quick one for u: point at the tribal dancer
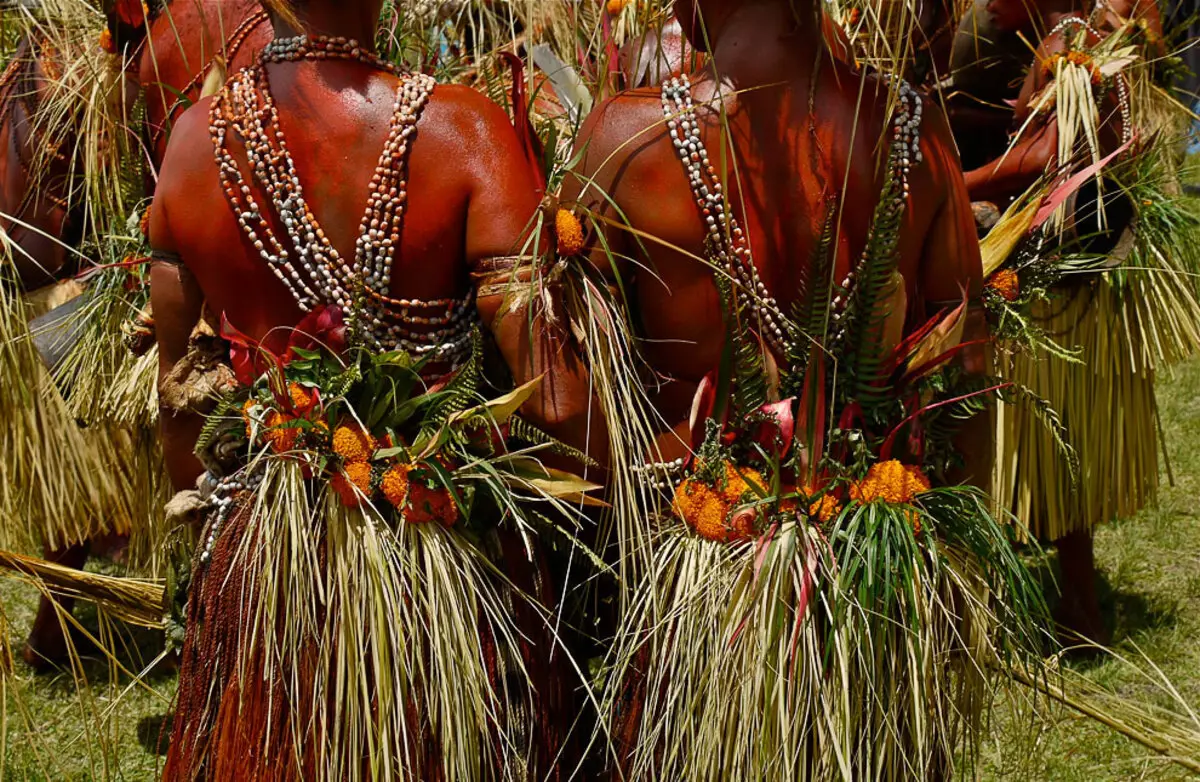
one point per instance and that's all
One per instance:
(368, 601)
(1089, 101)
(794, 622)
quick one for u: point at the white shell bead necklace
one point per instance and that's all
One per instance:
(312, 270)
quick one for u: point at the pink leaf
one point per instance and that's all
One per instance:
(781, 426)
(1055, 199)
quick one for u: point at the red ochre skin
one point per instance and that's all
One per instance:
(472, 196)
(35, 221)
(183, 41)
(792, 165)
(175, 59)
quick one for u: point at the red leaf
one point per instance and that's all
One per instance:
(782, 426)
(324, 327)
(247, 356)
(703, 404)
(129, 12)
(890, 442)
(1055, 199)
(937, 361)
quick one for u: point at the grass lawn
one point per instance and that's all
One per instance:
(1151, 590)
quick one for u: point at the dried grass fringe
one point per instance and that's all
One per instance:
(324, 645)
(1107, 405)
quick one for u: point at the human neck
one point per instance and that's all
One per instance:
(352, 22)
(758, 39)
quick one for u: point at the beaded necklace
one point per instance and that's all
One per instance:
(725, 241)
(312, 270)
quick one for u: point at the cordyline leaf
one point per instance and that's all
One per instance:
(929, 366)
(501, 408)
(703, 404)
(1055, 199)
(781, 426)
(1013, 226)
(942, 338)
(885, 452)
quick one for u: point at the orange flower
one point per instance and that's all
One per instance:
(426, 505)
(615, 7)
(708, 509)
(281, 437)
(248, 415)
(892, 482)
(106, 41)
(703, 509)
(395, 485)
(569, 232)
(145, 224)
(1005, 284)
(353, 484)
(353, 444)
(825, 509)
(303, 400)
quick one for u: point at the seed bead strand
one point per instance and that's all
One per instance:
(724, 236)
(319, 275)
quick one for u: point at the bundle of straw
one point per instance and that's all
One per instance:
(136, 601)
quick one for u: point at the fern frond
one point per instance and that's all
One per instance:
(863, 319)
(524, 431)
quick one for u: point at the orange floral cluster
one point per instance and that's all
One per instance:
(356, 484)
(823, 510)
(569, 231)
(615, 7)
(359, 476)
(1083, 60)
(893, 483)
(106, 41)
(708, 509)
(1005, 284)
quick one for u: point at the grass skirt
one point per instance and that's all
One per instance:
(860, 650)
(325, 644)
(1107, 405)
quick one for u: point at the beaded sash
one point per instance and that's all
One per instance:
(312, 269)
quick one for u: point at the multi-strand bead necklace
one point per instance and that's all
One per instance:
(725, 240)
(312, 270)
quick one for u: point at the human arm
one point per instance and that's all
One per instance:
(525, 319)
(177, 302)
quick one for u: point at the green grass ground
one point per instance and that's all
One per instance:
(1150, 567)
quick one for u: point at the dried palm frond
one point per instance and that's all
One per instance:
(136, 601)
(1118, 451)
(56, 488)
(395, 650)
(1173, 734)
